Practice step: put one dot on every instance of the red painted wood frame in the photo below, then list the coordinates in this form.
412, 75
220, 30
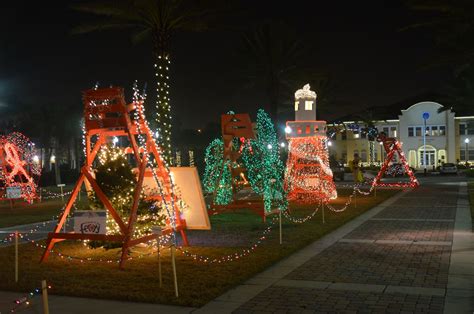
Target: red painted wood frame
239, 126
392, 147
112, 119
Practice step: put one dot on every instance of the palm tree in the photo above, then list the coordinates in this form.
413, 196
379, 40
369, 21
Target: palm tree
159, 20
452, 26
274, 60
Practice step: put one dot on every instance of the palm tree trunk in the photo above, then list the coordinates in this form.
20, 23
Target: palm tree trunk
163, 106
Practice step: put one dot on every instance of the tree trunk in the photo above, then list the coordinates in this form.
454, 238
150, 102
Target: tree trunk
57, 171
162, 110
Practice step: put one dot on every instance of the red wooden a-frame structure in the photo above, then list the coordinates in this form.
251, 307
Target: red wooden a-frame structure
236, 125
392, 146
107, 115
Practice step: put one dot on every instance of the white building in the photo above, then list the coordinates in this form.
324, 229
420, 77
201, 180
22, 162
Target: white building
449, 138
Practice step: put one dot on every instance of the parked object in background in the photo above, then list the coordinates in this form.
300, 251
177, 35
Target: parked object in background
337, 170
448, 168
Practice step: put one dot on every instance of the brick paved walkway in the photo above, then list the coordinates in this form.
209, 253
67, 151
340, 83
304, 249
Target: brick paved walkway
395, 259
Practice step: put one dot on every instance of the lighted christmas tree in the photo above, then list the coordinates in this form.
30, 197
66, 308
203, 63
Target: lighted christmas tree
115, 177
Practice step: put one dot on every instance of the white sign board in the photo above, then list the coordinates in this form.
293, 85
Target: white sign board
13, 192
90, 221
186, 180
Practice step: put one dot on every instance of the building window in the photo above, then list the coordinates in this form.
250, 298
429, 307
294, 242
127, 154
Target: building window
463, 155
393, 131
363, 135
418, 131
385, 130
296, 105
462, 129
470, 129
434, 130
308, 105
411, 131
427, 131
442, 130
344, 135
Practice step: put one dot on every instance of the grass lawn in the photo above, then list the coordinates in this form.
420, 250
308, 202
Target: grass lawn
23, 213
198, 283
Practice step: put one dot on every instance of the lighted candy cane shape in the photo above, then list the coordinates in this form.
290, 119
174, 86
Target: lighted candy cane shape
16, 155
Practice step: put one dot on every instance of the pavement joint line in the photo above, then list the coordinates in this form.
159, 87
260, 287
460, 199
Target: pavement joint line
406, 242
347, 286
412, 219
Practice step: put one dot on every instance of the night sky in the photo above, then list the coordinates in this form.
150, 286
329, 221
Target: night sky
371, 62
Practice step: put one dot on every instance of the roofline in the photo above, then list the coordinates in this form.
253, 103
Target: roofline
421, 102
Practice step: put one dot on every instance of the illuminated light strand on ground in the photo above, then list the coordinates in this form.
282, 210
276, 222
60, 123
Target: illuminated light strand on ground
230, 257
167, 238
53, 194
346, 205
302, 219
24, 301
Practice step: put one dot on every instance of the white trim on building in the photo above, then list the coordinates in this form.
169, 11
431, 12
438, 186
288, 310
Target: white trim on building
445, 137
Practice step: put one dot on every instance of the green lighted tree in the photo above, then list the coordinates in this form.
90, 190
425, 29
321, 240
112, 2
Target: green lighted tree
261, 159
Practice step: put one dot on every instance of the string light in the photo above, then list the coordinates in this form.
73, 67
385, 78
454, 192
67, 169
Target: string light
26, 299
308, 177
260, 157
19, 165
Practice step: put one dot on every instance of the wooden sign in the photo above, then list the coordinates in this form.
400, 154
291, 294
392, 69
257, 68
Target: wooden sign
90, 221
13, 192
188, 185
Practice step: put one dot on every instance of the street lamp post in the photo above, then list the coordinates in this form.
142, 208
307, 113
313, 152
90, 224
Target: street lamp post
467, 151
426, 116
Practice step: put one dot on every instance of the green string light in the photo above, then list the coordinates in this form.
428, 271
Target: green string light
260, 157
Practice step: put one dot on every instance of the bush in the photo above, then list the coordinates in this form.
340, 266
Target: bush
470, 173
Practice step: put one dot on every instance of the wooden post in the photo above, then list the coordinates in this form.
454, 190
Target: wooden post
173, 263
355, 199
158, 232
62, 192
281, 235
322, 208
44, 290
16, 256
375, 191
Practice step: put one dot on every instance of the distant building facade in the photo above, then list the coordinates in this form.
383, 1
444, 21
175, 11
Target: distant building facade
446, 136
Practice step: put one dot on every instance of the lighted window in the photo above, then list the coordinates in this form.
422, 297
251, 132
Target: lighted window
296, 106
393, 131
434, 130
308, 105
442, 130
418, 131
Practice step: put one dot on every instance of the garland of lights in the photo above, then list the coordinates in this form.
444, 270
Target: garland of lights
25, 300
308, 177
19, 165
163, 107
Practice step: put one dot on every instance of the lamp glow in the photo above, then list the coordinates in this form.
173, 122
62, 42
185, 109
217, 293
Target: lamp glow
287, 130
